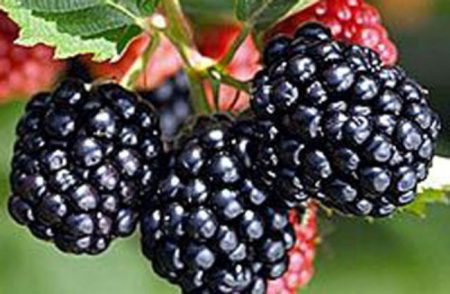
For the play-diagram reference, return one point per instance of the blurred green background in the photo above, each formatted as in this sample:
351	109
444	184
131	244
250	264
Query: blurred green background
404	255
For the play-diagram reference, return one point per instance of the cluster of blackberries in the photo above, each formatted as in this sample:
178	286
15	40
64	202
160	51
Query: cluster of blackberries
327	121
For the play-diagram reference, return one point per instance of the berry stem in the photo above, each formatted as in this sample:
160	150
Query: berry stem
139	66
199	99
244	33
215	85
217	73
178	28
180	35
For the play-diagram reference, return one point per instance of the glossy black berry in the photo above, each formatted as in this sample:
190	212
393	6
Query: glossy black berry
213	226
354	134
84	157
172	102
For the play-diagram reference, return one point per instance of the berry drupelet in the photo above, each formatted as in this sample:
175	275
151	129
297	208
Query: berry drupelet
212	227
84	157
172	102
354	134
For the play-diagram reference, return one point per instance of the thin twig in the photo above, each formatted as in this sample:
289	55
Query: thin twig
139	66
235	100
179	34
199	98
228	58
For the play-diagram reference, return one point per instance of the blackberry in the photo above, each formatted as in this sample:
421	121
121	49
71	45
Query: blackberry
213	227
84	157
357	135
171	99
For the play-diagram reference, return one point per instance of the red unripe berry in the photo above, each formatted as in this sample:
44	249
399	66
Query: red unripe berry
23	70
352	21
301	266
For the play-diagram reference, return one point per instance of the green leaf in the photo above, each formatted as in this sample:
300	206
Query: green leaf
427	197
69	22
147	7
126	36
100	27
264	13
58	5
199	12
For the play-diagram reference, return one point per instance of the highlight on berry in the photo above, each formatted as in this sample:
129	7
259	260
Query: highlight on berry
223	142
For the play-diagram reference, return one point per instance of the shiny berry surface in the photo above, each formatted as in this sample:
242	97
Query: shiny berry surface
351	132
172	102
84	157
213	227
301	256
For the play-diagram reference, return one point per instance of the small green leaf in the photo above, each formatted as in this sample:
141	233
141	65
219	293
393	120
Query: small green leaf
126	36
36	30
264	13
427	197
100	27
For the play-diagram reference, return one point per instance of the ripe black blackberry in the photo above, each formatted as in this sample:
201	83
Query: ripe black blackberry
212	227
355	134
84	157
172	101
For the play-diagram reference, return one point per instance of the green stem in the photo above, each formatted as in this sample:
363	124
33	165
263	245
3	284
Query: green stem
244	33
215	85
139	66
225	78
177	26
199	99
179	33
